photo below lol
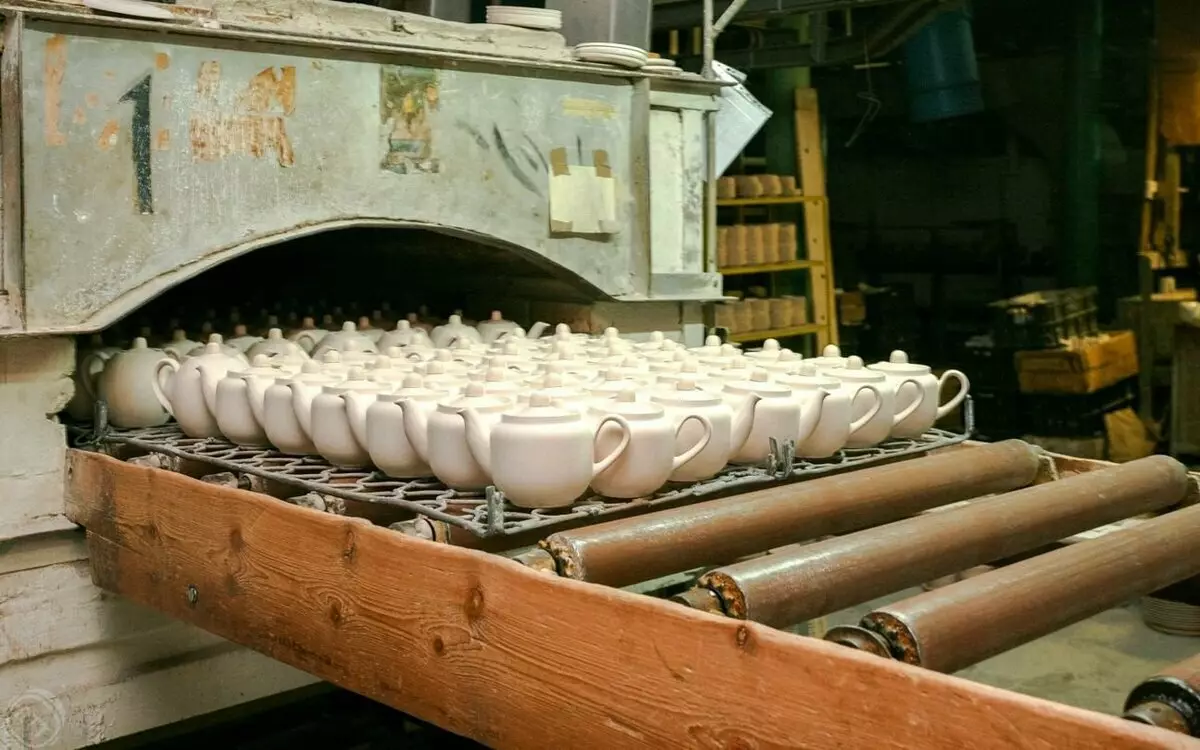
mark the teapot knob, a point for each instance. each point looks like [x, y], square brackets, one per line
[898, 357]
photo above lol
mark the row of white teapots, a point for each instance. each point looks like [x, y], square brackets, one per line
[407, 429]
[316, 340]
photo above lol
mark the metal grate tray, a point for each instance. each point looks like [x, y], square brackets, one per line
[486, 513]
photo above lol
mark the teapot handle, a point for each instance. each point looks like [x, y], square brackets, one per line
[916, 404]
[950, 405]
[608, 460]
[90, 368]
[700, 445]
[862, 421]
[160, 380]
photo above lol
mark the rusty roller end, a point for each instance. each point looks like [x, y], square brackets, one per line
[732, 598]
[901, 642]
[539, 560]
[860, 639]
[1157, 714]
[700, 598]
[570, 564]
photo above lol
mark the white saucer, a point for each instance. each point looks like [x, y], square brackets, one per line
[528, 18]
[135, 8]
[660, 62]
[612, 47]
[625, 60]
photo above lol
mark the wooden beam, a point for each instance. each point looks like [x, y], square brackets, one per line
[512, 658]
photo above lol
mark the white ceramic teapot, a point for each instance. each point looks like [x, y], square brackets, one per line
[88, 365]
[308, 335]
[398, 429]
[450, 458]
[401, 335]
[339, 420]
[180, 345]
[711, 348]
[686, 400]
[338, 341]
[835, 425]
[287, 409]
[241, 402]
[650, 459]
[831, 356]
[453, 330]
[189, 390]
[775, 413]
[917, 383]
[242, 340]
[770, 351]
[873, 399]
[390, 372]
[276, 346]
[224, 348]
[540, 456]
[495, 327]
[121, 384]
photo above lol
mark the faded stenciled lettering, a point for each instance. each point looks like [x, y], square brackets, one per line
[256, 128]
[54, 67]
[408, 100]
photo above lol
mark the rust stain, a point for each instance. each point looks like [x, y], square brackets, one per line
[214, 137]
[54, 66]
[162, 60]
[80, 117]
[208, 80]
[92, 100]
[268, 88]
[109, 74]
[108, 136]
[162, 141]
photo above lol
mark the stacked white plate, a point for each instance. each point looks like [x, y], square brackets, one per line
[612, 54]
[526, 18]
[662, 65]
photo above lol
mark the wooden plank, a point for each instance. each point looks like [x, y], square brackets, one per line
[810, 163]
[484, 647]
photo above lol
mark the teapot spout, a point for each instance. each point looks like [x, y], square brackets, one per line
[356, 415]
[811, 415]
[416, 427]
[743, 420]
[536, 330]
[479, 439]
[302, 399]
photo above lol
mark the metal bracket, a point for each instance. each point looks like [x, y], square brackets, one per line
[495, 511]
[782, 460]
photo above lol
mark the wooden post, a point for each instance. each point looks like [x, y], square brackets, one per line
[810, 163]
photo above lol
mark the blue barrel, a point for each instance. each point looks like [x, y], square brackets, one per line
[943, 74]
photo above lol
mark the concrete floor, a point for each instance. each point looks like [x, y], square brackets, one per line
[1092, 664]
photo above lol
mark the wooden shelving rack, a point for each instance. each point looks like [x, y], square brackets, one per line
[814, 252]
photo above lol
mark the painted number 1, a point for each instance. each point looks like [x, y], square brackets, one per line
[139, 94]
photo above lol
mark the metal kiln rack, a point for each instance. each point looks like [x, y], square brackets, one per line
[487, 513]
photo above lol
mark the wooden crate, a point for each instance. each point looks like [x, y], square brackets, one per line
[510, 657]
[1087, 366]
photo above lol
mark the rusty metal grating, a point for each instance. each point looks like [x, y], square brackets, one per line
[486, 513]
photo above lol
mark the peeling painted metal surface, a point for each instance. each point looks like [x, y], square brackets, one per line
[147, 161]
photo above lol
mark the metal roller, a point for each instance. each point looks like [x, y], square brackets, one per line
[1169, 699]
[626, 551]
[806, 582]
[964, 623]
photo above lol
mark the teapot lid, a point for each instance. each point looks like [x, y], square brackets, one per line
[179, 335]
[855, 371]
[542, 408]
[475, 396]
[216, 338]
[239, 330]
[435, 367]
[310, 372]
[364, 323]
[381, 362]
[443, 355]
[496, 316]
[140, 343]
[686, 392]
[713, 340]
[787, 355]
[348, 326]
[625, 403]
[404, 325]
[454, 320]
[611, 333]
[729, 350]
[771, 345]
[807, 377]
[260, 366]
[331, 357]
[274, 334]
[356, 380]
[413, 386]
[758, 383]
